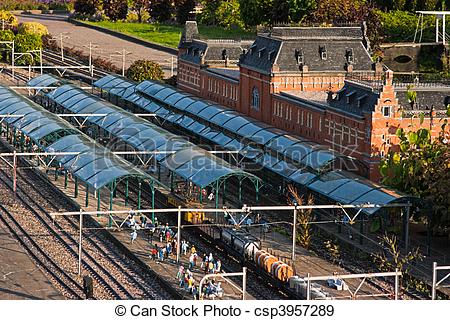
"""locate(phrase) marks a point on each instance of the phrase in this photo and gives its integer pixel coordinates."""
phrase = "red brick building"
(300, 80)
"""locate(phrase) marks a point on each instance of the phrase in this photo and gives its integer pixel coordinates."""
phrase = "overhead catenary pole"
(178, 234)
(433, 288)
(244, 282)
(443, 29)
(15, 173)
(79, 244)
(294, 234)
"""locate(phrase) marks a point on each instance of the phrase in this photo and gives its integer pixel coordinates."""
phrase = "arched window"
(255, 99)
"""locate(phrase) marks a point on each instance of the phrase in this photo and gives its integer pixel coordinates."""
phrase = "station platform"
(167, 269)
(20, 278)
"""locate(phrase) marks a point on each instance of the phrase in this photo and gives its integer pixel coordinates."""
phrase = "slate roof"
(438, 98)
(282, 44)
(354, 99)
(213, 50)
(322, 33)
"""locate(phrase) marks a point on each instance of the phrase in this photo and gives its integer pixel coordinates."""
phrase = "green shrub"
(9, 18)
(33, 28)
(134, 17)
(25, 43)
(5, 50)
(142, 70)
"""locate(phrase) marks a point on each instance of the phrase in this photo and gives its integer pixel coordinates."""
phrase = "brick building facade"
(299, 79)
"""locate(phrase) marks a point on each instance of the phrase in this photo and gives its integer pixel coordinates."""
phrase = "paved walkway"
(81, 36)
(20, 278)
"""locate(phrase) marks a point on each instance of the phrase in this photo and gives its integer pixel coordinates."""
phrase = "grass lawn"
(168, 35)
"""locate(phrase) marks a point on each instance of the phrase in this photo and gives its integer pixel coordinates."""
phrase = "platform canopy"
(290, 156)
(43, 81)
(32, 120)
(182, 157)
(94, 165)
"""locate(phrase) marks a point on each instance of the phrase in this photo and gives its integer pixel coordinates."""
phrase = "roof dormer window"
(299, 57)
(252, 48)
(270, 55)
(224, 54)
(323, 53)
(349, 56)
(261, 52)
(349, 96)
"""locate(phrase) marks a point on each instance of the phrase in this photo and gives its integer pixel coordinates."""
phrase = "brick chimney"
(190, 31)
(389, 78)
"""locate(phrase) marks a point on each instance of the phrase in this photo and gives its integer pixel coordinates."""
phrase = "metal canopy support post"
(153, 201)
(257, 191)
(178, 234)
(407, 211)
(294, 234)
(126, 192)
(87, 196)
(98, 200)
(224, 191)
(240, 191)
(111, 195)
(76, 187)
(139, 194)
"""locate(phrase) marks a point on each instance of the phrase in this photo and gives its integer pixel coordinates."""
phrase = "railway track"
(65, 283)
(115, 276)
(256, 286)
(54, 58)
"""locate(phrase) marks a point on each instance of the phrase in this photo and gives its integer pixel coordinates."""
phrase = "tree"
(229, 14)
(89, 7)
(299, 9)
(336, 11)
(304, 217)
(281, 11)
(422, 168)
(115, 9)
(256, 12)
(141, 7)
(392, 258)
(161, 10)
(209, 12)
(142, 70)
(184, 7)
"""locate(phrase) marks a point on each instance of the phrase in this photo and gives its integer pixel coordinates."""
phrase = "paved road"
(81, 36)
(20, 278)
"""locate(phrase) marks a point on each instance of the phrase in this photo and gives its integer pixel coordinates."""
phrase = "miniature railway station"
(123, 152)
